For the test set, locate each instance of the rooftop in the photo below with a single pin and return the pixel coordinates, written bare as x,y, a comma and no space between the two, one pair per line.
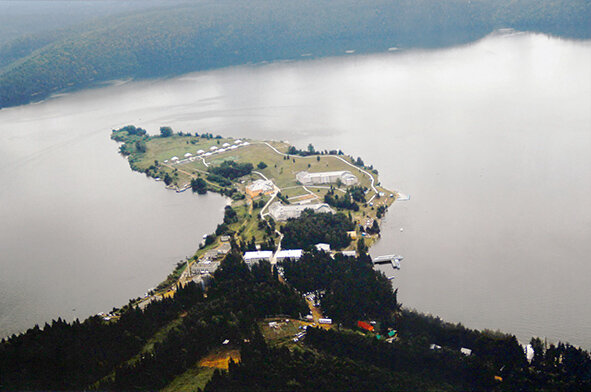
289,254
257,255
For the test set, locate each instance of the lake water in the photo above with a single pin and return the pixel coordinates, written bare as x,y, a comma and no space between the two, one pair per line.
491,140
80,232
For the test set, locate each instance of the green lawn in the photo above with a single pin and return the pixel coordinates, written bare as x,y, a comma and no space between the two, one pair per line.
191,380
279,168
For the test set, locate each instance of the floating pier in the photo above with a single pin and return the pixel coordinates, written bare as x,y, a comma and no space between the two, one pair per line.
389,259
402,197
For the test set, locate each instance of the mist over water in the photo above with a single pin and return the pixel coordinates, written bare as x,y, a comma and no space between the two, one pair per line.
491,140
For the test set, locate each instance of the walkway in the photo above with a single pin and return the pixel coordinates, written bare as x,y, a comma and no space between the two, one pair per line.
334,156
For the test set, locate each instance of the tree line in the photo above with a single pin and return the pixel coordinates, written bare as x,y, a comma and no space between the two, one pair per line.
312,228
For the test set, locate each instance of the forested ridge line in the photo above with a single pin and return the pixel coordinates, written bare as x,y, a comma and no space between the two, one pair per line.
207,34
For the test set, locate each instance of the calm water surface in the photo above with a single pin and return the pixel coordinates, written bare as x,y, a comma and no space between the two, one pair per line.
491,140
80,232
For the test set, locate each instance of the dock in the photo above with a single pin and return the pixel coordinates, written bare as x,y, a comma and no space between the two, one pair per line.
388,259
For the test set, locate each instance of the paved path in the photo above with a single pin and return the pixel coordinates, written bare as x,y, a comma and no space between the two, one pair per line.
260,174
334,156
267,205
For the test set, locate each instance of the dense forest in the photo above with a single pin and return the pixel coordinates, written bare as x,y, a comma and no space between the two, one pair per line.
177,38
231,169
351,289
66,356
310,229
147,349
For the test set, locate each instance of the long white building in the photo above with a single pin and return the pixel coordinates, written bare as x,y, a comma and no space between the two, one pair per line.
282,212
346,177
293,254
256,256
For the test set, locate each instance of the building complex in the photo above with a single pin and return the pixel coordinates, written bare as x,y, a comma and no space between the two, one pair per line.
345,176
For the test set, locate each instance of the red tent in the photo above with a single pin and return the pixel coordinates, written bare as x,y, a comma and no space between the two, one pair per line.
364,325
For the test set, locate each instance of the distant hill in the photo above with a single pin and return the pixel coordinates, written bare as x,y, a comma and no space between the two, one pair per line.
171,40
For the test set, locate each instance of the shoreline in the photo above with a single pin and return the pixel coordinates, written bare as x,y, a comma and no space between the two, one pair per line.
182,274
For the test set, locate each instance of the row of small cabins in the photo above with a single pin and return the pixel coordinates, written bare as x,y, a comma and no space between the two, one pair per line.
212,150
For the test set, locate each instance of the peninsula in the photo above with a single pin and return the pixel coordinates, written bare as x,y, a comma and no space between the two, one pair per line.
268,183
282,296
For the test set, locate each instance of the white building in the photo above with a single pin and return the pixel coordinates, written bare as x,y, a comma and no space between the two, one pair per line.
213,148
259,255
199,152
349,253
188,155
204,267
226,145
284,254
174,159
259,187
346,177
323,247
237,141
281,212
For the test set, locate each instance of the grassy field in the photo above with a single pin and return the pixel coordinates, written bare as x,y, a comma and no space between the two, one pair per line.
198,375
191,380
156,159
278,167
284,332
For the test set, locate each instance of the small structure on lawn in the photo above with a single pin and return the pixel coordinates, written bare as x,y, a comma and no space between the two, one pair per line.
352,234
465,351
323,247
364,325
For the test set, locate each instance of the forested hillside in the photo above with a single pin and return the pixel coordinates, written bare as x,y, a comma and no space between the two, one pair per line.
149,349
207,34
